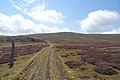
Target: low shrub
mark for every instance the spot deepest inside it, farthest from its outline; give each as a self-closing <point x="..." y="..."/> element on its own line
<point x="105" y="70"/>
<point x="74" y="64"/>
<point x="92" y="61"/>
<point x="65" y="55"/>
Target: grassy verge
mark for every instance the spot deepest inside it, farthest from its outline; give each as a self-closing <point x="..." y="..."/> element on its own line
<point x="54" y="74"/>
<point x="42" y="71"/>
<point x="7" y="73"/>
<point x="31" y="62"/>
<point x="21" y="63"/>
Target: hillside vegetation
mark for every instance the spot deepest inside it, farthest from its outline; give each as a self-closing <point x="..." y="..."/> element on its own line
<point x="61" y="56"/>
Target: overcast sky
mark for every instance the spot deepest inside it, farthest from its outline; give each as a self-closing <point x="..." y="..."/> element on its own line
<point x="47" y="16"/>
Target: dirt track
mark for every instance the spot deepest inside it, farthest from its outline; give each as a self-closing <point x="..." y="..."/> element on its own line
<point x="40" y="67"/>
<point x="59" y="67"/>
<point x="48" y="77"/>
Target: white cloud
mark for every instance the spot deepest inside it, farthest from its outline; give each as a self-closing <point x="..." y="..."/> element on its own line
<point x="39" y="12"/>
<point x="98" y="21"/>
<point x="114" y="31"/>
<point x="11" y="1"/>
<point x="24" y="3"/>
<point x="43" y="15"/>
<point x="28" y="2"/>
<point x="18" y="8"/>
<point x="17" y="24"/>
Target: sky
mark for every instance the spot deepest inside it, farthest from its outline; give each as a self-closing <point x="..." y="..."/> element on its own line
<point x="19" y="17"/>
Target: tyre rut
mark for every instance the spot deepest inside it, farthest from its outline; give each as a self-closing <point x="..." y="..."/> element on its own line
<point x="59" y="67"/>
<point x="48" y="77"/>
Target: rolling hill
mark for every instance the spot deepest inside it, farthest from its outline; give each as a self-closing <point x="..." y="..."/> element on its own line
<point x="61" y="56"/>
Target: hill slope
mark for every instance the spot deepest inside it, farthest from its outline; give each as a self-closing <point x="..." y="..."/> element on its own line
<point x="60" y="56"/>
<point x="68" y="38"/>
